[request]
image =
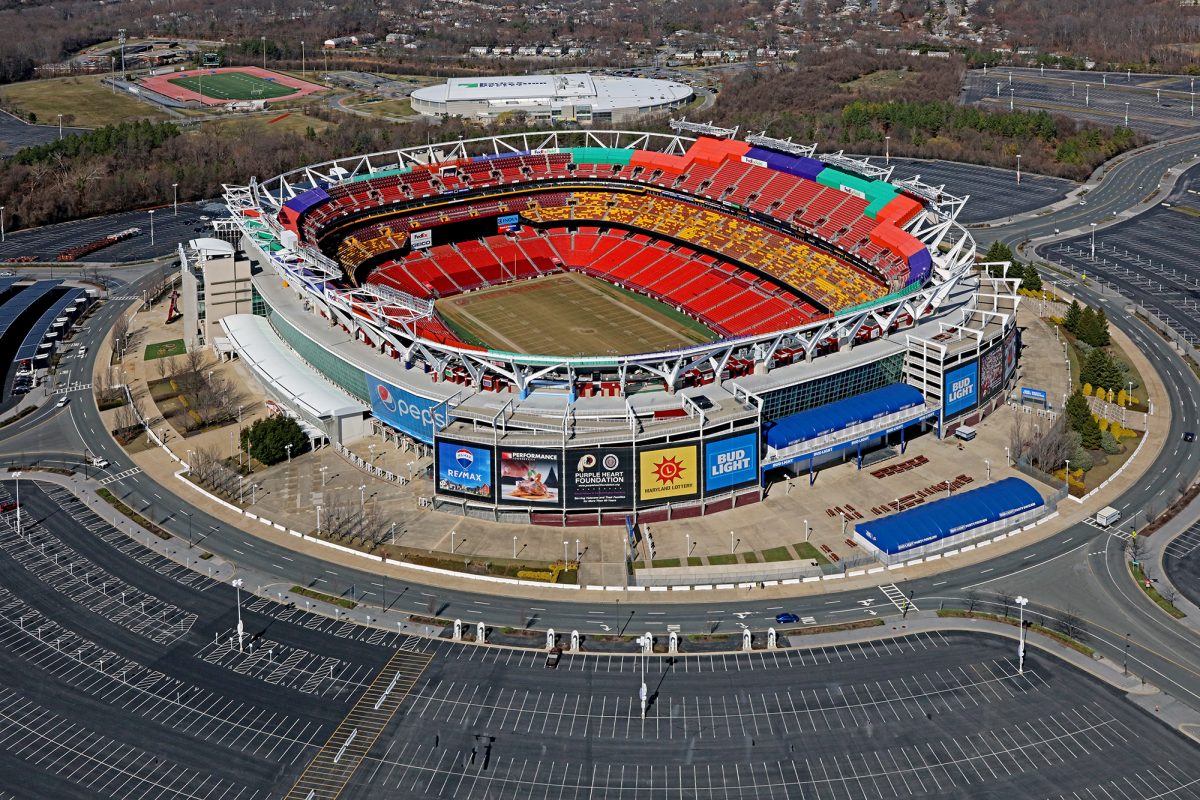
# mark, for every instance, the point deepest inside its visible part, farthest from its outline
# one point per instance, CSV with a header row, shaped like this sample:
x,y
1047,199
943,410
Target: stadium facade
x,y
576,97
849,314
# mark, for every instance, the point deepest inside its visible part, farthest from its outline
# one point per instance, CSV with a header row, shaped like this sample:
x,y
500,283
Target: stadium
x,y
576,97
591,327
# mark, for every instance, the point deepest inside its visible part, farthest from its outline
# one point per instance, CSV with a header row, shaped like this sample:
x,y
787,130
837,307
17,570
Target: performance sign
x,y
464,470
668,473
530,476
730,463
600,477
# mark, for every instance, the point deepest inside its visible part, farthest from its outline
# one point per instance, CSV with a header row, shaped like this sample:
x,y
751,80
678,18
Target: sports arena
x,y
587,327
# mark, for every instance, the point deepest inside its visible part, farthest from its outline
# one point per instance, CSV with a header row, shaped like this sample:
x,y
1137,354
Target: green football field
x,y
234,86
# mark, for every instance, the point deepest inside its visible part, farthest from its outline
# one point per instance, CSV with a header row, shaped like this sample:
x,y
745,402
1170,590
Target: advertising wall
x,y
730,463
668,473
991,372
961,389
420,239
600,477
417,416
1010,353
530,476
464,470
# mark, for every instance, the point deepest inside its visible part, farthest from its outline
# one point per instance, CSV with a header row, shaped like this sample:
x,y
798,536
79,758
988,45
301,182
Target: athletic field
x,y
569,315
233,86
228,84
175,347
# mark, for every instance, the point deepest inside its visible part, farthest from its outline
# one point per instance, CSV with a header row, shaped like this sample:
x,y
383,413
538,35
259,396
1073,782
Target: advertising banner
x,y
417,416
991,371
730,463
420,239
530,476
464,469
668,473
600,477
509,223
1010,353
962,389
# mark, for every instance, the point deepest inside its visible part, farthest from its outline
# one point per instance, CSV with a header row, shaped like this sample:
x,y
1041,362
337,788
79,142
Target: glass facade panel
x,y
831,388
344,375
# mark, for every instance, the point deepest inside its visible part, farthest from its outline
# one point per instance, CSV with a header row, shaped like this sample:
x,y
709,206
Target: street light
x,y
152,227
17,476
362,498
318,520
1021,603
303,70
514,542
565,545
1126,113
175,198
237,586
323,469
1018,169
2,236
1093,240
288,447
644,641
60,127
989,469
887,150
1011,99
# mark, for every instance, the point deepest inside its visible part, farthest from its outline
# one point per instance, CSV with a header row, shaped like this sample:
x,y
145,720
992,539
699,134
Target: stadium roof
x,y
277,364
842,414
601,92
931,522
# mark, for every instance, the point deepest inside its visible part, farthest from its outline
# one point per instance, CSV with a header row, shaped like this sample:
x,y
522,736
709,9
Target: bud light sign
x,y
464,470
417,416
961,389
731,462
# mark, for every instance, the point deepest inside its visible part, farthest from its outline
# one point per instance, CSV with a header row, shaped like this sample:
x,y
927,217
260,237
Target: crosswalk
x,y
74,386
334,765
120,476
898,598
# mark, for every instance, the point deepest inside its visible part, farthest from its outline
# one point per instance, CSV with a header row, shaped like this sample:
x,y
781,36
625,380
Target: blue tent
x,y
934,521
842,414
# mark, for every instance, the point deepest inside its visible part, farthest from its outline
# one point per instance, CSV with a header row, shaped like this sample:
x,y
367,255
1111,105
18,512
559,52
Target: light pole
x,y
60,127
688,552
1093,240
989,469
362,498
263,41
303,70
642,694
2,237
1126,113
807,530
566,544
318,520
1021,603
175,199
152,227
887,150
514,545
237,586
1068,475
288,447
323,469
371,449
17,477
1018,169
1011,100
1125,661
189,516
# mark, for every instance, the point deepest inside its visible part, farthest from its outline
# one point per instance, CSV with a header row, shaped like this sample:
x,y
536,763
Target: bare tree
x,y
972,600
119,336
1070,623
1004,599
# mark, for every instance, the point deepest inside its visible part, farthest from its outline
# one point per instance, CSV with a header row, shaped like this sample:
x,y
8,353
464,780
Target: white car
x,y
62,401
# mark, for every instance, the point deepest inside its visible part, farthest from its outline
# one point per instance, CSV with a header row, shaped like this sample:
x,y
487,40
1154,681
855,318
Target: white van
x,y
1107,516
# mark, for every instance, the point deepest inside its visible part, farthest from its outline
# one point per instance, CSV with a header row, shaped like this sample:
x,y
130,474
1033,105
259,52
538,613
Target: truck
x,y
1107,516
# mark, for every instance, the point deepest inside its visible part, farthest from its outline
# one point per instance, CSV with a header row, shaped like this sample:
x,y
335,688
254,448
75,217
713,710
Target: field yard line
x,y
632,307
473,321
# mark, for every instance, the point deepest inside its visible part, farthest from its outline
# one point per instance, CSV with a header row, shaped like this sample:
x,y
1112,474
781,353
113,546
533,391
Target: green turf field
x,y
175,347
233,86
570,315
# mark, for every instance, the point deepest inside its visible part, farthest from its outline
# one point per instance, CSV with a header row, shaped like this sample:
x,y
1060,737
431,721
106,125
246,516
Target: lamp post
x,y
237,587
1126,113
288,447
514,544
688,551
175,199
1093,240
1018,169
189,516
152,227
2,235
1011,100
1021,603
362,498
989,469
1068,475
17,477
60,127
263,41
566,544
323,469
303,70
1125,661
887,150
642,694
318,520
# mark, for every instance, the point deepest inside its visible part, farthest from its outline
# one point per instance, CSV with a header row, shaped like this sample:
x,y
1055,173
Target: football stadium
x,y
595,327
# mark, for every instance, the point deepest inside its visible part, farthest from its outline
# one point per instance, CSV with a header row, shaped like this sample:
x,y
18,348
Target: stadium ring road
x,y
168,510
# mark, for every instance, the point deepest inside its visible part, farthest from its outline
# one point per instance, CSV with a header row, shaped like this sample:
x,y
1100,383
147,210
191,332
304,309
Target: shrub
x,y
1109,443
1082,459
267,439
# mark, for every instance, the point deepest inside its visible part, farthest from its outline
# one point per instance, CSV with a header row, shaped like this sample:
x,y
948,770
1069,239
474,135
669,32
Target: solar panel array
x,y
17,305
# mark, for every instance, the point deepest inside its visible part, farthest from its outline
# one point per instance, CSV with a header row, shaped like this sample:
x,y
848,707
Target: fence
x,y
361,463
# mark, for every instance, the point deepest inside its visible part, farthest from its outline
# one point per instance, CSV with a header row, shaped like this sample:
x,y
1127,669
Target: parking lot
x,y
16,133
1150,258
1159,106
994,192
45,243
949,716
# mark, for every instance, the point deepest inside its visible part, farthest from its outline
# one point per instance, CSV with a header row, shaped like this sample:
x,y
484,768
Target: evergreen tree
x,y
1079,417
1100,334
1099,370
1087,323
1073,315
1032,279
